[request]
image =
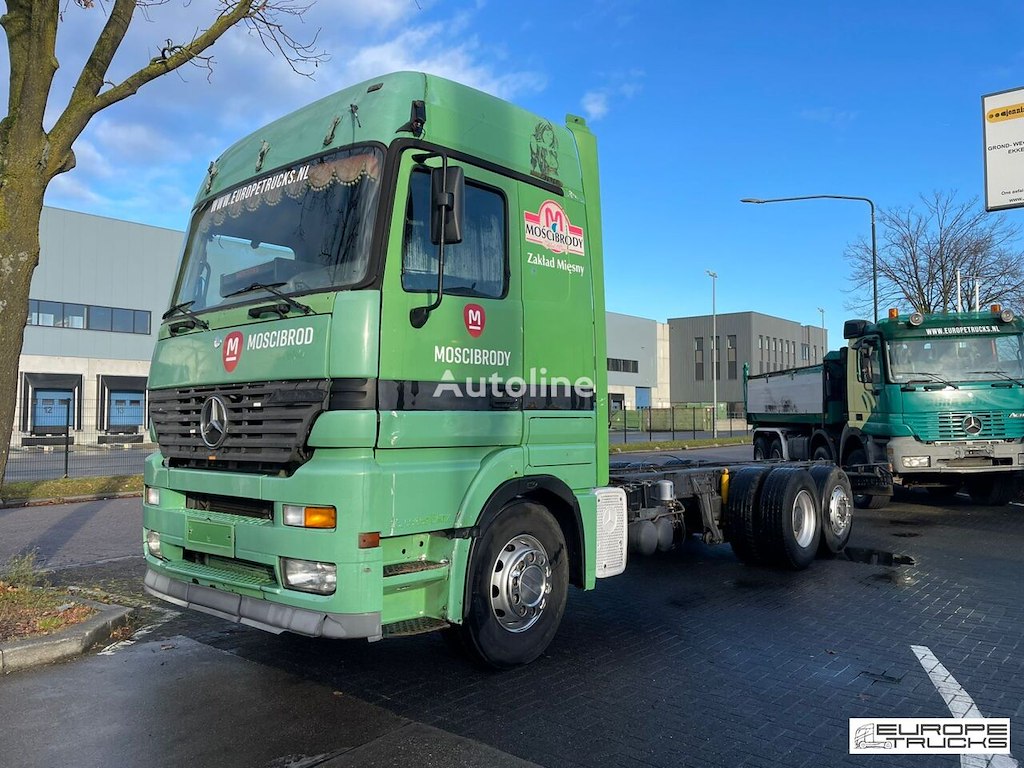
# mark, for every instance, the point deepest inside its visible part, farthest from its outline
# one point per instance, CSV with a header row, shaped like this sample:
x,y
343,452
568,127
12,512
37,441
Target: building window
x,y
730,352
718,359
623,366
698,359
56,314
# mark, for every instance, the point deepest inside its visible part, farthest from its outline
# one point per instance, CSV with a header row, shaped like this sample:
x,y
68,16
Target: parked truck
x,y
929,401
379,392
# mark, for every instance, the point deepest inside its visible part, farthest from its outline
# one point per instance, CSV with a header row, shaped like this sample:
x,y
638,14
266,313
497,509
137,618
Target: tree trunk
x,y
21,206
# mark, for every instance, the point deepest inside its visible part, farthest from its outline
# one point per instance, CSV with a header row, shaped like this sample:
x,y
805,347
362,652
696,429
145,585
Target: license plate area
x,y
209,537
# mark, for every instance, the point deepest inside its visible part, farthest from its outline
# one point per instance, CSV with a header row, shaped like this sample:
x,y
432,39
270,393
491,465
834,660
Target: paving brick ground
x,y
691,658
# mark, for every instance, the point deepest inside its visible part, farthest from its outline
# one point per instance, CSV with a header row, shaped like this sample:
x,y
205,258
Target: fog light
x,y
309,517
916,462
153,544
309,576
153,496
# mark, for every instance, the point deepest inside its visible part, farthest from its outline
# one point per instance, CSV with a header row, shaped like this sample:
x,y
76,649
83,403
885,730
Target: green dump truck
x,y
929,401
380,397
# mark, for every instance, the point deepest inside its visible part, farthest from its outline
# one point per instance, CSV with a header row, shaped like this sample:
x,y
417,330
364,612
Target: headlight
x,y
916,462
309,517
153,496
153,544
309,576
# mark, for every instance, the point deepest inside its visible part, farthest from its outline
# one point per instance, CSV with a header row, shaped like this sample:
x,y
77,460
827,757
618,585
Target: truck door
x,y
864,377
449,384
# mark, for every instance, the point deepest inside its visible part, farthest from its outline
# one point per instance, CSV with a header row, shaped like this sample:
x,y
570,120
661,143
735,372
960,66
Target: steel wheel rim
x,y
803,519
839,512
520,583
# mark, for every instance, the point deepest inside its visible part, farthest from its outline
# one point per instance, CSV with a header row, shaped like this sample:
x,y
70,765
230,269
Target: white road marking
x,y
960,705
165,616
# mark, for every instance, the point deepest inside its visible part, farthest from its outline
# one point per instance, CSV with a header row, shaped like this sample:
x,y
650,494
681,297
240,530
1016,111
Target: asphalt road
x,y
689,658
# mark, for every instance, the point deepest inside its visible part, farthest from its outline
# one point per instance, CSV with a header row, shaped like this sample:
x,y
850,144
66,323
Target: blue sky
x,y
695,106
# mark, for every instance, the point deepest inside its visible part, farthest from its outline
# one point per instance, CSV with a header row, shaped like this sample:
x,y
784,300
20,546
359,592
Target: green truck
x,y
935,402
380,397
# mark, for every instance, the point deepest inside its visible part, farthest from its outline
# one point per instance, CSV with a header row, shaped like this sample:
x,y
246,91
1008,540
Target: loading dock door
x,y
50,410
125,409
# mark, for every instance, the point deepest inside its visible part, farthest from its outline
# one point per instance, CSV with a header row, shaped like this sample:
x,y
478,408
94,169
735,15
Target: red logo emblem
x,y
475,319
231,352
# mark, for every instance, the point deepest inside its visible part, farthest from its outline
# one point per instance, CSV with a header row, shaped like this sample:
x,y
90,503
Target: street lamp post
x,y
822,332
874,245
714,356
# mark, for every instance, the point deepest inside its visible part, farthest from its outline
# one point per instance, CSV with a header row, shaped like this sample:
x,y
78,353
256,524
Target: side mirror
x,y
853,329
447,194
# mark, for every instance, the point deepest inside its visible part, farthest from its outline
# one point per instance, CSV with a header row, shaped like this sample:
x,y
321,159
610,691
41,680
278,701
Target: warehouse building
x,y
764,342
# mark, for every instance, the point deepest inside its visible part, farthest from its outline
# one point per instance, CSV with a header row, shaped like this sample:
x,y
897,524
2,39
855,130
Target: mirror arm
x,y
418,316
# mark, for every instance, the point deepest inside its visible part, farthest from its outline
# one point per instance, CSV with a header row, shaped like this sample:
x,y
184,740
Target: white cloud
x,y
595,104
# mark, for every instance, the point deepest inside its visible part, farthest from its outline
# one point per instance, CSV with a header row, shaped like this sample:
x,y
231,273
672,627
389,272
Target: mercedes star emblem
x,y
971,425
213,421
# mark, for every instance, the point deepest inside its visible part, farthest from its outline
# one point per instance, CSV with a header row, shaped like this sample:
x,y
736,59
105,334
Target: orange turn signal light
x,y
320,517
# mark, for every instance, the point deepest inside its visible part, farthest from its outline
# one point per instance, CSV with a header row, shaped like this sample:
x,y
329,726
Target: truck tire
x,y
518,577
992,491
760,448
741,513
822,453
790,518
775,449
943,494
865,500
836,508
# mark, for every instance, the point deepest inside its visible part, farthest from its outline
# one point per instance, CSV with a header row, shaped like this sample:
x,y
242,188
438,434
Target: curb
x,y
68,643
12,503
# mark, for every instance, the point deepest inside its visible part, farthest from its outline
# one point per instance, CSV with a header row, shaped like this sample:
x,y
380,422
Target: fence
x,y
59,436
675,423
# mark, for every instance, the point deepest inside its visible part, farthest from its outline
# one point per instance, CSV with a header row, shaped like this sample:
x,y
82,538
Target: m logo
x,y
231,352
474,317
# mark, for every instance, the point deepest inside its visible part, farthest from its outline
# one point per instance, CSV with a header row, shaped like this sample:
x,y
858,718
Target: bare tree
x,y
31,154
921,248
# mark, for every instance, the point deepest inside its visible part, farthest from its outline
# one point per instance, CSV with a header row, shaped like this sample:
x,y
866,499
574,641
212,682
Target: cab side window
x,y
478,266
869,369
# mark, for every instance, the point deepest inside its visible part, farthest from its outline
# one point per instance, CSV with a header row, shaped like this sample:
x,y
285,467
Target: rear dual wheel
x,y
836,508
774,516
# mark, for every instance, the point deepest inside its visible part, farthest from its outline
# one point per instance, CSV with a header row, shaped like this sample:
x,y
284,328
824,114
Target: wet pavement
x,y
689,658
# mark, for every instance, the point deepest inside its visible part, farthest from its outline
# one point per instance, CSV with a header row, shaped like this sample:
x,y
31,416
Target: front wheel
x,y
760,448
519,577
992,491
865,500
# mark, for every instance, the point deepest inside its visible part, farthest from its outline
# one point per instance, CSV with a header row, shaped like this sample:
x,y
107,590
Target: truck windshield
x,y
301,229
956,358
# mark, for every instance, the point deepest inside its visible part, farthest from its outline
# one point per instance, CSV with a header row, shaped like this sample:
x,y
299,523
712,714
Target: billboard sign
x,y
1003,118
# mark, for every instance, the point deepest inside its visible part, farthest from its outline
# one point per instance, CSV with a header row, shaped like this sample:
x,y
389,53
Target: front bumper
x,y
957,457
262,614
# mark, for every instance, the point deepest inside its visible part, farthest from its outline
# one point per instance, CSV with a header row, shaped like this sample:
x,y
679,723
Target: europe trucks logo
x,y
550,227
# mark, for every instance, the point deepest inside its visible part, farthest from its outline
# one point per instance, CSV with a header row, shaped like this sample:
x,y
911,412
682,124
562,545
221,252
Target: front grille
x,y
267,426
230,505
933,427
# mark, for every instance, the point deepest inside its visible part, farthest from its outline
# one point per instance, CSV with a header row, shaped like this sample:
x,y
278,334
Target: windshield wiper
x,y
183,309
271,288
1006,376
934,378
